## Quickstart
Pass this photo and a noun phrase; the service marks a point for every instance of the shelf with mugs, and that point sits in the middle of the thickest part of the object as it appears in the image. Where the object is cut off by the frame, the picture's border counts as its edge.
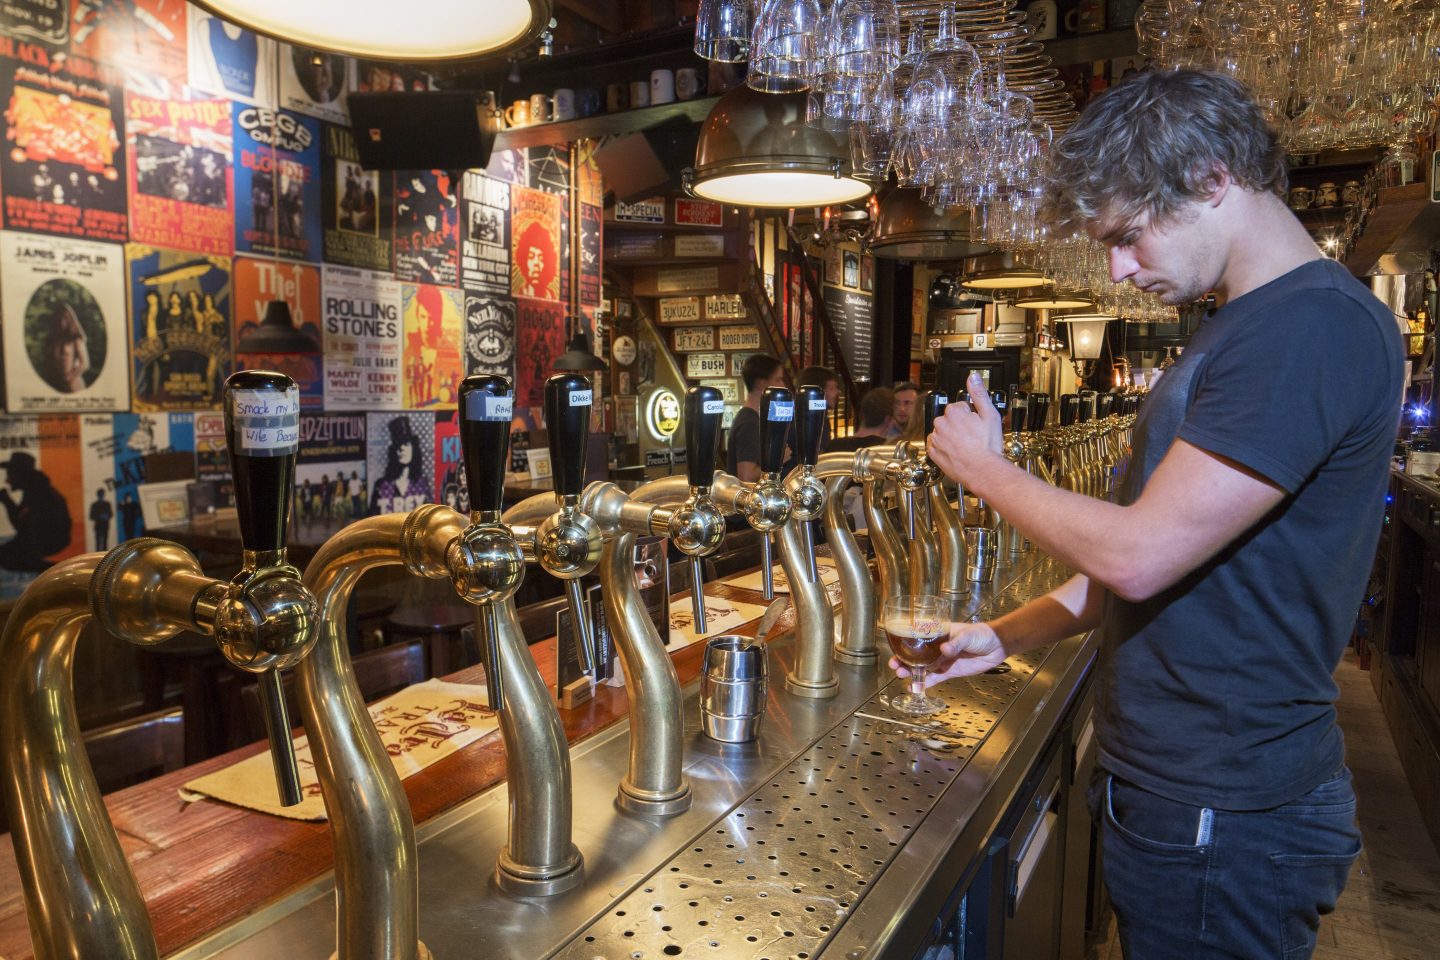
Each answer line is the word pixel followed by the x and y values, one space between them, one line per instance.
pixel 605 124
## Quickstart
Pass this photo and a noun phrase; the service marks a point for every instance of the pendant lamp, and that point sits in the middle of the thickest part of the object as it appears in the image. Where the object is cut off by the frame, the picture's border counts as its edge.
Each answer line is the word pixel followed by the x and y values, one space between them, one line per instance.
pixel 1000 271
pixel 908 228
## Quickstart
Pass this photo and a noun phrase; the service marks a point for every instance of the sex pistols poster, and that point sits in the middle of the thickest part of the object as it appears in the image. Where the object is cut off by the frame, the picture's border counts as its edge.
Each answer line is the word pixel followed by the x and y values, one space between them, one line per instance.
pixel 62 171
pixel 180 317
pixel 485 251
pixel 181 183
pixel 277 183
pixel 427 236
pixel 363 330
pixel 358 205
pixel 535 233
pixel 64 335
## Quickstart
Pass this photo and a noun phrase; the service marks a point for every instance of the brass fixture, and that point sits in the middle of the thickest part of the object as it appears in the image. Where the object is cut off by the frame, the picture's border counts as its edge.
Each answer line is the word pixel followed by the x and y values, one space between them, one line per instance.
pixel 908 228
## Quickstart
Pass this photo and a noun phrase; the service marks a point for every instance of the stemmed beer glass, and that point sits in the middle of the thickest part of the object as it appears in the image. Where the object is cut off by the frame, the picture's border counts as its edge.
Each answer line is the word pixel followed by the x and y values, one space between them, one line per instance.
pixel 914 625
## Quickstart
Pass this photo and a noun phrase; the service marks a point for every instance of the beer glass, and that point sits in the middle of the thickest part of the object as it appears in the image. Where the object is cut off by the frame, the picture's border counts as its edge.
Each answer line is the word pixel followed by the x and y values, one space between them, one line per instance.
pixel 914 626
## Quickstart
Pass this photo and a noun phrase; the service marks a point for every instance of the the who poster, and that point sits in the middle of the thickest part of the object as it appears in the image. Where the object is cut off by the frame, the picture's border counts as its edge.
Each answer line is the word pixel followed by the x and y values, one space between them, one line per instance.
pixel 427 234
pixel 363 328
pixel 146 41
pixel 44 21
pixel 181 183
pixel 314 82
pixel 450 486
pixel 230 61
pixel 591 241
pixel 489 335
pixel 64 331
pixel 535 244
pixel 180 322
pixel 330 470
pixel 63 170
pixel 42 495
pixel 257 282
pixel 358 204
pixel 130 451
pixel 277 183
pixel 433 368
pixel 485 249
pixel 399 460
pixel 539 340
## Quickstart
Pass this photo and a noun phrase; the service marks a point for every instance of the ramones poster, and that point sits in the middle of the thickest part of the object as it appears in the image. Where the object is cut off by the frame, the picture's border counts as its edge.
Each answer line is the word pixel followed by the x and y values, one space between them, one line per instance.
pixel 357 204
pixel 63 168
pixel 485 249
pixel 277 183
pixel 64 331
pixel 427 236
pixel 489 335
pixel 181 183
pixel 535 240
pixel 180 318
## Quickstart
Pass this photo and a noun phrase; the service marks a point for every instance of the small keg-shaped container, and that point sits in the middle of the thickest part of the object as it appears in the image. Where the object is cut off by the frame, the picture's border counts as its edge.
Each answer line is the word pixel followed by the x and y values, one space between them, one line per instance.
pixel 732 689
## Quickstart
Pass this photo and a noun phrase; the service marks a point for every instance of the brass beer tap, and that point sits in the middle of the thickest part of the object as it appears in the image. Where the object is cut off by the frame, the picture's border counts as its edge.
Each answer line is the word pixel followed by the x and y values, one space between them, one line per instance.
pixel 813 674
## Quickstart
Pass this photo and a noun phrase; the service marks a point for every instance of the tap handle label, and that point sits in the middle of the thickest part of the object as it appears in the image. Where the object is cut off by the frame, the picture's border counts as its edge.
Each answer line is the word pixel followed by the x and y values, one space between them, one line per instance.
pixel 568 400
pixel 777 413
pixel 486 406
pixel 933 405
pixel 262 432
pixel 809 423
pixel 704 407
pixel 1069 408
pixel 1039 406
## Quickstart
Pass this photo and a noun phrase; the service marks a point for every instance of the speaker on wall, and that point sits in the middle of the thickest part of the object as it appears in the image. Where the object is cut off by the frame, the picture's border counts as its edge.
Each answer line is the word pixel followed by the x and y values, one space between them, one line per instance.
pixel 640 165
pixel 427 130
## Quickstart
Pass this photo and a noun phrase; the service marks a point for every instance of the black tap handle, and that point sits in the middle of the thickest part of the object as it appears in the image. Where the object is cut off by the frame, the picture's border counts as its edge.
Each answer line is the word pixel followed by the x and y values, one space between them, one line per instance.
pixel 1011 393
pixel 1019 410
pixel 1087 405
pixel 487 404
pixel 1104 405
pixel 809 422
pixel 1069 408
pixel 932 408
pixel 998 398
pixel 262 433
pixel 777 413
pixel 1039 407
pixel 568 399
pixel 704 408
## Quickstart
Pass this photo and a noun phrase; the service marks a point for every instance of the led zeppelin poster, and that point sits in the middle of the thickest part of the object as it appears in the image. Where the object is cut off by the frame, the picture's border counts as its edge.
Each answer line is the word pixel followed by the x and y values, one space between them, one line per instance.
pixel 485 249
pixel 363 340
pixel 277 183
pixel 489 335
pixel 539 340
pixel 314 82
pixel 181 183
pixel 180 323
pixel 432 345
pixel 330 471
pixel 427 235
pixel 229 61
pixel 535 233
pixel 357 206
pixel 257 282
pixel 145 41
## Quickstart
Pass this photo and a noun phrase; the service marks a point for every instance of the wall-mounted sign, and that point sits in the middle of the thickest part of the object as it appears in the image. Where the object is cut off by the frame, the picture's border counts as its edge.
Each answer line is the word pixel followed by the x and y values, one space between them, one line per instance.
pixel 690 278
pixel 700 246
pixel 737 363
pixel 705 365
pixel 634 246
pixel 730 389
pixel 662 414
pixel 623 350
pixel 641 211
pixel 739 338
pixel 699 213
pixel 680 310
pixel 725 306
pixel 694 338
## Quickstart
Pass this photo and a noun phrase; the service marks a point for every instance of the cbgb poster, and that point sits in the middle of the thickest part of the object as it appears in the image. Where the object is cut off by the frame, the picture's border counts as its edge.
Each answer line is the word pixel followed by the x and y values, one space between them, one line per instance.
pixel 357 205
pixel 180 318
pixel 535 233
pixel 257 282
pixel 277 183
pixel 539 339
pixel 64 331
pixel 427 236
pixel 432 345
pixel 63 171
pixel 145 40
pixel 314 82
pixel 485 249
pixel 489 335
pixel 181 183
pixel 230 61
pixel 363 327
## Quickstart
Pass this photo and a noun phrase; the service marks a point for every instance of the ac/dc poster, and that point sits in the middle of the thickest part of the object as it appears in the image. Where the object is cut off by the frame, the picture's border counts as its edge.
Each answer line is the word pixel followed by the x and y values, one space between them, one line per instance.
pixel 146 41
pixel 427 234
pixel 363 328
pixel 330 470
pixel 257 282
pixel 357 205
pixel 277 183
pixel 45 21
pixel 314 82
pixel 535 243
pixel 485 249
pixel 399 460
pixel 432 345
pixel 180 322
pixel 181 183
pixel 489 335
pixel 42 496
pixel 450 486
pixel 591 240
pixel 230 61
pixel 539 339
pixel 62 173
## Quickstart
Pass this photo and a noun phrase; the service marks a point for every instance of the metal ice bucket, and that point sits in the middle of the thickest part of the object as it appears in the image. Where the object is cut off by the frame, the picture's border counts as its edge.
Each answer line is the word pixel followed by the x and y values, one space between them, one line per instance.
pixel 732 689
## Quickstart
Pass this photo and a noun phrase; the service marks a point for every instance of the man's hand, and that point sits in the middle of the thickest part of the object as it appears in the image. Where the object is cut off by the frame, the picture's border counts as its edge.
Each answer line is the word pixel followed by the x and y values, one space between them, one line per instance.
pixel 964 437
pixel 972 648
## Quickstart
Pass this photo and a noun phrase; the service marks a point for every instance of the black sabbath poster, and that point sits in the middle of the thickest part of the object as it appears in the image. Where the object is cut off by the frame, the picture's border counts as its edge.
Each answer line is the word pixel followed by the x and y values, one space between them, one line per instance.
pixel 180 322
pixel 314 82
pixel 64 331
pixel 46 21
pixel 63 171
pixel 363 338
pixel 180 177
pixel 427 236
pixel 357 204
pixel 591 242
pixel 485 249
pixel 489 335
pixel 277 183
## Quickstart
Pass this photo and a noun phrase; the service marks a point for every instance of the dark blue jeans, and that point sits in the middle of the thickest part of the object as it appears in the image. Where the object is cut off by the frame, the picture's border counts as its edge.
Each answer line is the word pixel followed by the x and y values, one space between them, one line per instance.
pixel 1190 882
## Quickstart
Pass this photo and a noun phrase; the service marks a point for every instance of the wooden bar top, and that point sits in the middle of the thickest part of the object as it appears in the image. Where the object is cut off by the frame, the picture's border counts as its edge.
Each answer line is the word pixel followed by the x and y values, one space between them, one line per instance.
pixel 204 865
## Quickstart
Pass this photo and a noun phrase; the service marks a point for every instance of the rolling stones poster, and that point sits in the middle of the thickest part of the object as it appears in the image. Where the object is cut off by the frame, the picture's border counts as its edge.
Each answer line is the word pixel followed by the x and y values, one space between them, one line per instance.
pixel 64 332
pixel 427 235
pixel 230 61
pixel 63 171
pixel 181 183
pixel 180 323
pixel 535 244
pixel 539 339
pixel 330 470
pixel 257 282
pixel 591 239
pixel 130 450
pixel 277 183
pixel 42 491
pixel 363 328
pixel 145 41
pixel 489 335
pixel 450 486
pixel 399 460
pixel 485 249
pixel 45 21
pixel 357 205
pixel 433 368
pixel 314 82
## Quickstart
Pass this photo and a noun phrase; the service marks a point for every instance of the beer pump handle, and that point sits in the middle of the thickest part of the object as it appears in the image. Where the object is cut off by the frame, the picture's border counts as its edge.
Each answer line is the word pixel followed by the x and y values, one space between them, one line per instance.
pixel 777 413
pixel 933 406
pixel 1087 405
pixel 1069 408
pixel 568 400
pixel 1039 406
pixel 809 423
pixel 704 407
pixel 486 408
pixel 1104 405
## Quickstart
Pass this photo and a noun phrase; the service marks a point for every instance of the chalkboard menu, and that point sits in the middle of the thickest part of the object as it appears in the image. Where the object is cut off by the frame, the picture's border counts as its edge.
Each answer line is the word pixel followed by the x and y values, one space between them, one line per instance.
pixel 852 315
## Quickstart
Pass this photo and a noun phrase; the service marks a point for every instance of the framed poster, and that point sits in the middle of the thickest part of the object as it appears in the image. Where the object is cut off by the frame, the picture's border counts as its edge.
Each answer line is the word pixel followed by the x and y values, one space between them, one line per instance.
pixel 180 178
pixel 489 335
pixel 277 183
pixel 427 232
pixel 535 244
pixel 180 328
pixel 363 327
pixel 485 234
pixel 432 345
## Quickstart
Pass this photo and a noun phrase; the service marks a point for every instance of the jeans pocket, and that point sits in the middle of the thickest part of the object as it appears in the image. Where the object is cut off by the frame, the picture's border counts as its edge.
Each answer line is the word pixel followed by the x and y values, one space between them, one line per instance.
pixel 1306 888
pixel 1152 822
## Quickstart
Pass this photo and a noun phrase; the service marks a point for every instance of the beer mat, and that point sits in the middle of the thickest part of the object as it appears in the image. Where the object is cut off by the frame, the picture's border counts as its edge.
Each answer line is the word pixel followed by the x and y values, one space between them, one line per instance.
pixel 419 725
pixel 720 615
pixel 754 580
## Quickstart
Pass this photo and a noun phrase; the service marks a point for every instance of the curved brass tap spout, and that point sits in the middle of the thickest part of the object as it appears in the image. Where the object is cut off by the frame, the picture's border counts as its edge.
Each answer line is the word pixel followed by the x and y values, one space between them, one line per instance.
pixel 814 673
pixel 885 538
pixel 949 531
pixel 857 589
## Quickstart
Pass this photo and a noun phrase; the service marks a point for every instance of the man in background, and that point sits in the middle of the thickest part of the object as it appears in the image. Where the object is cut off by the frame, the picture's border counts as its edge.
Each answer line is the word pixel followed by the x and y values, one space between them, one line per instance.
pixel 876 421
pixel 906 393
pixel 742 449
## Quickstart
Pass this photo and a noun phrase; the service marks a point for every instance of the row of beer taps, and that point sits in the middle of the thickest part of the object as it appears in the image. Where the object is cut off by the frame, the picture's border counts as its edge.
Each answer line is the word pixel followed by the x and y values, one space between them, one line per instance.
pixel 81 898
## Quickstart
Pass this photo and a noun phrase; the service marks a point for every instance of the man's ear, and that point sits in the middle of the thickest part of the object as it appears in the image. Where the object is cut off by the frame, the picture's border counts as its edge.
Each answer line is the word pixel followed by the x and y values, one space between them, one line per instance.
pixel 1217 184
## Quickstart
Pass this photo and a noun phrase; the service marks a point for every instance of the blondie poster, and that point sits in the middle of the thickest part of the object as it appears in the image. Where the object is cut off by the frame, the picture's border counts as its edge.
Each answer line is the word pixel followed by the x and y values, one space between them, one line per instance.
pixel 314 82
pixel 485 249
pixel 330 471
pixel 146 41
pixel 64 332
pixel 62 172
pixel 230 61
pixel 535 233
pixel 180 323
pixel 42 497
pixel 363 327
pixel 399 460
pixel 433 369
pixel 489 335
pixel 277 183
pixel 357 206
pixel 181 183
pixel 539 339
pixel 257 282
pixel 427 236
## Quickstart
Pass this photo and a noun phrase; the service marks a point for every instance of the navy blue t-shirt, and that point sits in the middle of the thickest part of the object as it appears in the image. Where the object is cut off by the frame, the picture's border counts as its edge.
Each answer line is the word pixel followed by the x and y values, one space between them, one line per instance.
pixel 1218 691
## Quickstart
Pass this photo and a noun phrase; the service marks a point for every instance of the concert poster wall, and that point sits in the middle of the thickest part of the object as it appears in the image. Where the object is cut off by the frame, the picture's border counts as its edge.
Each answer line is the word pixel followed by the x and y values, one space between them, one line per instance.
pixel 277 183
pixel 399 460
pixel 257 282
pixel 450 486
pixel 314 82
pixel 130 450
pixel 489 335
pixel 45 21
pixel 363 327
pixel 512 166
pixel 485 247
pixel 145 41
pixel 181 183
pixel 330 470
pixel 212 458
pixel 64 332
pixel 42 471
pixel 230 61
pixel 62 173
pixel 539 339
pixel 427 234
pixel 432 345
pixel 358 205
pixel 180 328
pixel 535 244
pixel 591 241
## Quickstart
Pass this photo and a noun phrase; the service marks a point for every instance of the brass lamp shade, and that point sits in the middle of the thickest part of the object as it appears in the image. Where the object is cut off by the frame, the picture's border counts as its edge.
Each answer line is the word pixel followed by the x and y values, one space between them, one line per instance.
pixel 908 228
pixel 756 151
pixel 1087 333
pixel 1000 271
pixel 1043 299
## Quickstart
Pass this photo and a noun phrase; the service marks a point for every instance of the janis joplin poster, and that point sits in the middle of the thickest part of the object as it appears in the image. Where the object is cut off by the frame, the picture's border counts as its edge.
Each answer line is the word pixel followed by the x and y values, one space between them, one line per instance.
pixel 180 317
pixel 535 244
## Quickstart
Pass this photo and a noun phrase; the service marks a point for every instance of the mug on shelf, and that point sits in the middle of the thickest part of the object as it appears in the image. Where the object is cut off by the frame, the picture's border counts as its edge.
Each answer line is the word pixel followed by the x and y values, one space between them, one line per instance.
pixel 662 86
pixel 1350 193
pixel 563 104
pixel 539 108
pixel 587 102
pixel 1301 198
pixel 518 114
pixel 688 83
pixel 1327 195
pixel 1042 16
pixel 639 93
pixel 617 98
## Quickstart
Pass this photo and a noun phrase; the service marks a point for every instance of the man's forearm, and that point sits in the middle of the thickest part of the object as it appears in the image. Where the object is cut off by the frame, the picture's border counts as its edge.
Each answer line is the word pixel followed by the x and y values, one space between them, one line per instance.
pixel 1071 608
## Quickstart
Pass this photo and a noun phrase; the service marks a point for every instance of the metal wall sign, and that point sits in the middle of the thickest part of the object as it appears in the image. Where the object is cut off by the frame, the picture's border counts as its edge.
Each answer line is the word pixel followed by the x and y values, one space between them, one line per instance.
pixel 704 365
pixel 676 310
pixel 694 338
pixel 731 390
pixel 700 246
pixel 692 278
pixel 726 306
pixel 641 211
pixel 739 338
pixel 699 213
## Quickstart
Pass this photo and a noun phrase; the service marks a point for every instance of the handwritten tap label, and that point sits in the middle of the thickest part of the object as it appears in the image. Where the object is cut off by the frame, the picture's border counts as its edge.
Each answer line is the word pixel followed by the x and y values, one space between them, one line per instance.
pixel 579 398
pixel 267 423
pixel 782 410
pixel 817 403
pixel 714 406
pixel 485 406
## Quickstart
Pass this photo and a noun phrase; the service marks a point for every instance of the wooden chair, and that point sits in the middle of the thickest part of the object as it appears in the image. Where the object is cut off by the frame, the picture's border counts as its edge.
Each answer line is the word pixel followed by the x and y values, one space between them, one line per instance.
pixel 129 751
